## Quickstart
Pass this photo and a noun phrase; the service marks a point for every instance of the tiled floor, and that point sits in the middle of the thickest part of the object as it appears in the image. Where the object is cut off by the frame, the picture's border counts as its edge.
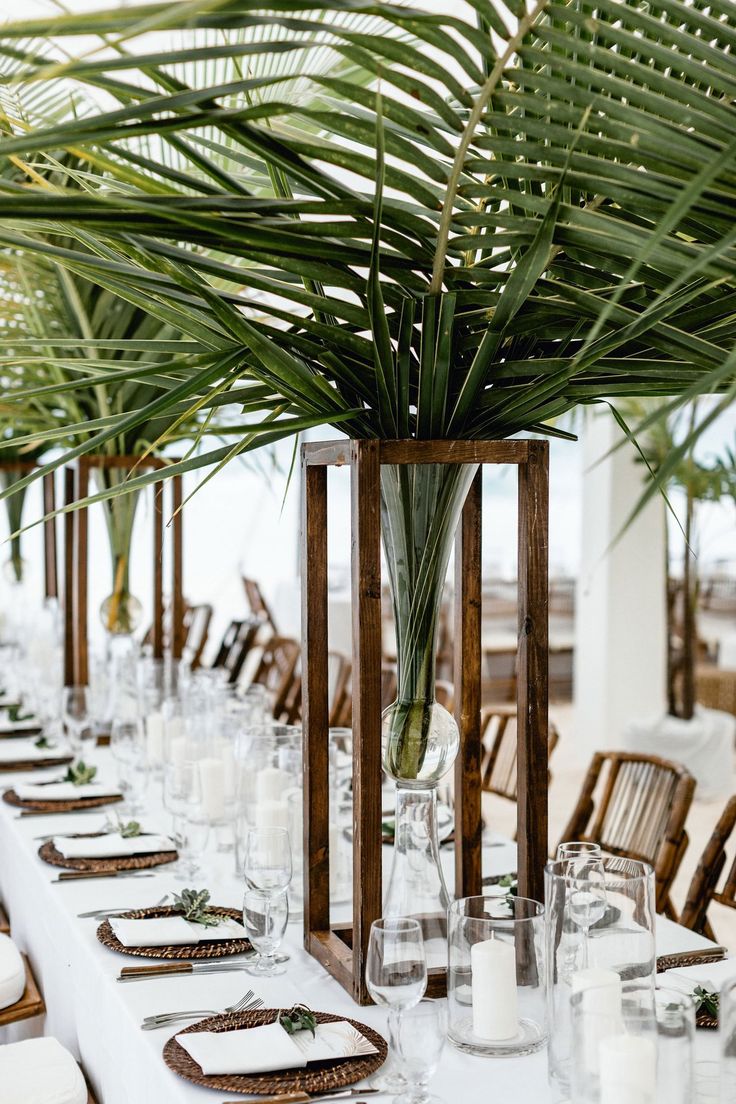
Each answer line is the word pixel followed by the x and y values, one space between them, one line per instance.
pixel 568 771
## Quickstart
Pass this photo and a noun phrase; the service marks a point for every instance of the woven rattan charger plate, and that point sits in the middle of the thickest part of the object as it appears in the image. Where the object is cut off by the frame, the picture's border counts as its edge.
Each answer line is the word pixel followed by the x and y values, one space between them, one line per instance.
pixel 219 948
pixel 315 1078
pixel 71 806
pixel 698 958
pixel 48 852
pixel 35 764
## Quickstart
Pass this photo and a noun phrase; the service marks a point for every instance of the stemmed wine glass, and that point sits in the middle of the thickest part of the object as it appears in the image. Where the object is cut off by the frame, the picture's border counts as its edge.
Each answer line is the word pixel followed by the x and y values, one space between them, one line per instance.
pixel 267 868
pixel 578 849
pixel 586 894
pixel 76 714
pixel 421 1034
pixel 126 746
pixel 396 978
pixel 182 792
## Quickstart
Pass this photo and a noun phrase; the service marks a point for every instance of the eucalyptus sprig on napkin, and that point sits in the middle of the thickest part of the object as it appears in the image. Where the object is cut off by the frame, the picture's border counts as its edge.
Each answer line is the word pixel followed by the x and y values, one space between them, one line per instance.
pixel 15 716
pixel 193 903
pixel 43 742
pixel 705 1002
pixel 298 1018
pixel 79 774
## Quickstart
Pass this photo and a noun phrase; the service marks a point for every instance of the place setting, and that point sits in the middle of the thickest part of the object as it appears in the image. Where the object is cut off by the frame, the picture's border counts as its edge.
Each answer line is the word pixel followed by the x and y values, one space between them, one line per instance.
pixel 77 790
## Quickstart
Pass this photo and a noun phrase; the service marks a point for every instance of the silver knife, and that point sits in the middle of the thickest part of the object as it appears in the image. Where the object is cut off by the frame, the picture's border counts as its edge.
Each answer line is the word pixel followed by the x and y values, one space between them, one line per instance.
pixel 81 875
pixel 166 969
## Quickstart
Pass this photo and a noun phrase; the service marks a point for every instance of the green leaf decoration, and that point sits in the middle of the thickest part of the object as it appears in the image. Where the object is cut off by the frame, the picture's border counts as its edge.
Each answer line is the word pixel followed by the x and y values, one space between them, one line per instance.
pixel 193 904
pixel 298 1018
pixel 79 774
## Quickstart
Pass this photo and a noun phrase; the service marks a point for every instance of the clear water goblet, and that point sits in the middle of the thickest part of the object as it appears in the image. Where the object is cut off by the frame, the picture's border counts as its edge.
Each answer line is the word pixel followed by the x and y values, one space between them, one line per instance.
pixel 396 978
pixel 420 1040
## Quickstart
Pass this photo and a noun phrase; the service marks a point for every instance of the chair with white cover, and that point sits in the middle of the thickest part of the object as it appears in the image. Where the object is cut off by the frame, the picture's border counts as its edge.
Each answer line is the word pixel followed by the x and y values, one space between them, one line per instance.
pixel 36 1071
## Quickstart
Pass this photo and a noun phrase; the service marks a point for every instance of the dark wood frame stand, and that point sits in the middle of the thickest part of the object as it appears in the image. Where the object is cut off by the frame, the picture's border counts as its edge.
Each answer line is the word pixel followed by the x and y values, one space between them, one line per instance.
pixel 342 951
pixel 51 580
pixel 76 553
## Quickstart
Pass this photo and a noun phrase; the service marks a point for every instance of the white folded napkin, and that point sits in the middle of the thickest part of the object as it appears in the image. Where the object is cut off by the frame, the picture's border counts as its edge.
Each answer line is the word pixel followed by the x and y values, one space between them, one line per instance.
pixel 6 725
pixel 40 1071
pixel 12 972
pixel 112 846
pixel 710 976
pixel 26 749
pixel 64 791
pixel 172 931
pixel 266 1048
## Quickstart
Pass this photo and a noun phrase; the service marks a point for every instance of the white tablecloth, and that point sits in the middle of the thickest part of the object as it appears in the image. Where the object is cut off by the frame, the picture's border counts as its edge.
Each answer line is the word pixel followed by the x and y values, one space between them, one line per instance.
pixel 98 1019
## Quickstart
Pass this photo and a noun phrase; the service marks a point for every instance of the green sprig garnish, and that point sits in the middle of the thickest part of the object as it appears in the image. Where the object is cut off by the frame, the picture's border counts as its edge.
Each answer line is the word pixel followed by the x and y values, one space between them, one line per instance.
pixel 42 742
pixel 79 774
pixel 705 1002
pixel 15 716
pixel 130 830
pixel 193 904
pixel 298 1018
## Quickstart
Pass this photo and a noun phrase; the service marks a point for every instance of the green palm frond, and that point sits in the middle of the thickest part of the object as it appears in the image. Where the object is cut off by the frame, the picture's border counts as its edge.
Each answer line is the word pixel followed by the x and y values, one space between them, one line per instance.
pixel 557 193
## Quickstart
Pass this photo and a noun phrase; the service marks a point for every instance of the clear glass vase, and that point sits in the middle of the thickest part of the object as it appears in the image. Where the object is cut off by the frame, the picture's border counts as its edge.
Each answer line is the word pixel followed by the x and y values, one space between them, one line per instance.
pixel 420 510
pixel 121 612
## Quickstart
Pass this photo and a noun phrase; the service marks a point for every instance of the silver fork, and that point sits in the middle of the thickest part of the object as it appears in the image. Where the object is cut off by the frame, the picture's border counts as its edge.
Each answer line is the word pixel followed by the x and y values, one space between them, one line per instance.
pixel 162 1019
pixel 105 913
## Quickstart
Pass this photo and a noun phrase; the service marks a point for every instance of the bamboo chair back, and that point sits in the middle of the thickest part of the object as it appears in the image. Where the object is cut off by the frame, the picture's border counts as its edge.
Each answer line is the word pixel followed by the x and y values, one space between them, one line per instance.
pixel 499 736
pixel 277 672
pixel 197 626
pixel 703 887
pixel 639 813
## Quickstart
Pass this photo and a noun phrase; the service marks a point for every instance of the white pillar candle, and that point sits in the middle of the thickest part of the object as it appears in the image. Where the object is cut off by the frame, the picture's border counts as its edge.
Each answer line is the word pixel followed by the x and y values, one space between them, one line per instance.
pixel 155 739
pixel 272 814
pixel 600 1008
pixel 173 728
pixel 628 1070
pixel 212 781
pixel 178 750
pixel 271 784
pixel 495 1000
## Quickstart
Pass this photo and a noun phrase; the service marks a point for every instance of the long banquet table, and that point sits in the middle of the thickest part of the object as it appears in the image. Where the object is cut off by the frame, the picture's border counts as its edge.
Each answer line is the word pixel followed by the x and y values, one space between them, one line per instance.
pixel 98 1018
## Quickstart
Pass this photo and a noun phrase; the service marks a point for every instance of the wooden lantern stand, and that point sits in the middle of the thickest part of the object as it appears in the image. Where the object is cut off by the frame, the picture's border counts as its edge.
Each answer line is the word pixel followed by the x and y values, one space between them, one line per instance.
pixel 343 950
pixel 51 580
pixel 76 556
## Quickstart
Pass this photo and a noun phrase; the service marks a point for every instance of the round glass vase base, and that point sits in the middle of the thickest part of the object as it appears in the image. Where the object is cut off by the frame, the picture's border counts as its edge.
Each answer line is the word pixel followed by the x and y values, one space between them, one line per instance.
pixel 530 1038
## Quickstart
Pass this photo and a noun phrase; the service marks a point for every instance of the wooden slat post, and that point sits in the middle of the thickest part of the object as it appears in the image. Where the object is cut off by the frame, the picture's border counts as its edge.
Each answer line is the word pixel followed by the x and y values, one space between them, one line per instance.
pixel 69 533
pixel 533 526
pixel 467 682
pixel 51 577
pixel 365 492
pixel 157 628
pixel 315 698
pixel 177 568
pixel 81 581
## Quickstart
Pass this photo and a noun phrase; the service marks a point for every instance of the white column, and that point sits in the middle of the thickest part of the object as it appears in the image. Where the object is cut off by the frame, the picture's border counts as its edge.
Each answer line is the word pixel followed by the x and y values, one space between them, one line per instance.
pixel 620 647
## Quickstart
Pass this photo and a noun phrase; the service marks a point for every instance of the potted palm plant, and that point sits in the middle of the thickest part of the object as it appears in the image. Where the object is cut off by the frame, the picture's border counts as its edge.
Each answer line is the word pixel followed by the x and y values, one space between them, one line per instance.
pixel 495 214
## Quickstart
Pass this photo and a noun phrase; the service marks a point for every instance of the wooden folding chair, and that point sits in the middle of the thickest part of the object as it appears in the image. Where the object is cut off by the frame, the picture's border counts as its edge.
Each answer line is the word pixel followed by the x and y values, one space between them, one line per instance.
pixel 259 607
pixel 703 887
pixel 639 813
pixel 196 626
pixel 498 765
pixel 277 672
pixel 238 641
pixel 30 1004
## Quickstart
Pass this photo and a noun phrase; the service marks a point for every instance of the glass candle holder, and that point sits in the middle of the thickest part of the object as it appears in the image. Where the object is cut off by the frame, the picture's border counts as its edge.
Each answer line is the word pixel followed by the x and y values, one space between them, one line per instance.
pixel 614 1043
pixel 496 976
pixel 727 1034
pixel 619 943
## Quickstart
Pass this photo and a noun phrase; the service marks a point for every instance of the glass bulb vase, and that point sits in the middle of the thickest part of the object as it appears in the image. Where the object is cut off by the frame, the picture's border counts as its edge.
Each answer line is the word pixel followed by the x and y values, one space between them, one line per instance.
pixel 420 509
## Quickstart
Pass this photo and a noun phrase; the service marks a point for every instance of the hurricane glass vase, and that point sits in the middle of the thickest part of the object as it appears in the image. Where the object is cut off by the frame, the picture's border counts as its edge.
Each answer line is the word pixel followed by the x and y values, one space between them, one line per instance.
pixel 121 612
pixel 420 509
